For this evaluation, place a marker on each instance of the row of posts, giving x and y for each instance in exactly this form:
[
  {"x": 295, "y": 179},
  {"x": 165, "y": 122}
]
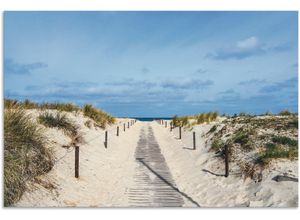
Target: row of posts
[
  {"x": 130, "y": 123},
  {"x": 226, "y": 154}
]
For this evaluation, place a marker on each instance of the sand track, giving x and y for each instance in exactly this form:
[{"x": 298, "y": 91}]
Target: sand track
[
  {"x": 147, "y": 166},
  {"x": 154, "y": 185}
]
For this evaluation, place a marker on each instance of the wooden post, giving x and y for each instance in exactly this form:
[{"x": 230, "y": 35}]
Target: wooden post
[
  {"x": 226, "y": 161},
  {"x": 76, "y": 161},
  {"x": 179, "y": 132},
  {"x": 105, "y": 142},
  {"x": 128, "y": 125},
  {"x": 194, "y": 140},
  {"x": 117, "y": 130},
  {"x": 124, "y": 127},
  {"x": 166, "y": 124},
  {"x": 171, "y": 126}
]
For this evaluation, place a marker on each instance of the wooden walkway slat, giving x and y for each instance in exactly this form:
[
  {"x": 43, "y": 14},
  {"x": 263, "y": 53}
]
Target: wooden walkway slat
[{"x": 154, "y": 185}]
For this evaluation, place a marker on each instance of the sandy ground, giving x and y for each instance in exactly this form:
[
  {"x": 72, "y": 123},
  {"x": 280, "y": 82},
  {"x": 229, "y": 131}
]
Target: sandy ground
[
  {"x": 196, "y": 173},
  {"x": 107, "y": 174},
  {"x": 104, "y": 174}
]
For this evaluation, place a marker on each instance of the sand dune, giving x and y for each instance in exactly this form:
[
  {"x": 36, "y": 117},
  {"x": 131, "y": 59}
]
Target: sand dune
[{"x": 108, "y": 175}]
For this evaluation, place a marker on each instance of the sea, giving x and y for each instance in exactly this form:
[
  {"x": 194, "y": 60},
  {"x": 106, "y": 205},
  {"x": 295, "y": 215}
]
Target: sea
[{"x": 151, "y": 118}]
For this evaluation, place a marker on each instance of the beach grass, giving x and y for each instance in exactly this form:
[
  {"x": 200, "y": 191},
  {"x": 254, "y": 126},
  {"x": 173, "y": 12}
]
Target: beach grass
[
  {"x": 28, "y": 104},
  {"x": 100, "y": 117},
  {"x": 25, "y": 153},
  {"x": 188, "y": 121},
  {"x": 58, "y": 120}
]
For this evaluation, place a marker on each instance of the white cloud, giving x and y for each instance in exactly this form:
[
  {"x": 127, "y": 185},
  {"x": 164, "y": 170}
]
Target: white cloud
[{"x": 248, "y": 44}]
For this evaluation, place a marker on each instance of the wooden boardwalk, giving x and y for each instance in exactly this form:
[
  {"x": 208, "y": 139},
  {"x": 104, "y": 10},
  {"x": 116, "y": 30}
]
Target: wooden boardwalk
[{"x": 154, "y": 185}]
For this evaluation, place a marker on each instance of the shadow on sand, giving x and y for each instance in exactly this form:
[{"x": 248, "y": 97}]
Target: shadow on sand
[
  {"x": 186, "y": 148},
  {"x": 216, "y": 174},
  {"x": 168, "y": 183}
]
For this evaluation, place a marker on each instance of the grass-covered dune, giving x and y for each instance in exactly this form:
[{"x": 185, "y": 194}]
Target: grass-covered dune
[
  {"x": 256, "y": 141},
  {"x": 188, "y": 121},
  {"x": 26, "y": 150},
  {"x": 25, "y": 153}
]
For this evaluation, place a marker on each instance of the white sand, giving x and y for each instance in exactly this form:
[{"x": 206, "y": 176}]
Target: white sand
[
  {"x": 107, "y": 174},
  {"x": 104, "y": 173},
  {"x": 217, "y": 191}
]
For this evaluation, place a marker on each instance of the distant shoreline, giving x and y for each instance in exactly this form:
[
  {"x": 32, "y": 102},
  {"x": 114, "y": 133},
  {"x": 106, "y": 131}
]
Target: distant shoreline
[{"x": 152, "y": 118}]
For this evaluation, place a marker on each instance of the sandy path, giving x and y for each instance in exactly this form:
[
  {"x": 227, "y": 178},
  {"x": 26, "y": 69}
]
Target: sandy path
[
  {"x": 153, "y": 182},
  {"x": 130, "y": 172}
]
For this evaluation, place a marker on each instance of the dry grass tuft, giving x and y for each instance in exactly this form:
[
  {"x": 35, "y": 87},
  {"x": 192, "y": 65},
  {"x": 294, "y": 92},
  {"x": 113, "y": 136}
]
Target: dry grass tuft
[
  {"x": 100, "y": 117},
  {"x": 58, "y": 120},
  {"x": 184, "y": 121},
  {"x": 25, "y": 153}
]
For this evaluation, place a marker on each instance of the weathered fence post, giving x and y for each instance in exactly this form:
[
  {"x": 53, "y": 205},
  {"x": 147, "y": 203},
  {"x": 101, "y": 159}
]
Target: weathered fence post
[
  {"x": 105, "y": 142},
  {"x": 124, "y": 127},
  {"x": 166, "y": 124},
  {"x": 179, "y": 132},
  {"x": 194, "y": 140},
  {"x": 117, "y": 130},
  {"x": 76, "y": 161},
  {"x": 128, "y": 125},
  {"x": 226, "y": 161},
  {"x": 171, "y": 126}
]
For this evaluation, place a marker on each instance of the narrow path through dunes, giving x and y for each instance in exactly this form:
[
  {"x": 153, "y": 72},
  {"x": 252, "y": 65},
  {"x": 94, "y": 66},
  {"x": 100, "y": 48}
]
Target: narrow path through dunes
[{"x": 153, "y": 182}]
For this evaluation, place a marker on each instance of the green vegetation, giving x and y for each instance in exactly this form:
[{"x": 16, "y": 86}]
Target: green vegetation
[
  {"x": 217, "y": 144},
  {"x": 285, "y": 140},
  {"x": 268, "y": 113},
  {"x": 100, "y": 117},
  {"x": 10, "y": 103},
  {"x": 253, "y": 143},
  {"x": 206, "y": 117},
  {"x": 180, "y": 121},
  {"x": 273, "y": 151},
  {"x": 58, "y": 120},
  {"x": 67, "y": 107},
  {"x": 213, "y": 129},
  {"x": 243, "y": 137},
  {"x": 27, "y": 104},
  {"x": 25, "y": 154},
  {"x": 280, "y": 147},
  {"x": 285, "y": 113},
  {"x": 184, "y": 121}
]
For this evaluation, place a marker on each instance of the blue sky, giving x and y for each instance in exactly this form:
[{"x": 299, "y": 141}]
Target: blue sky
[{"x": 154, "y": 63}]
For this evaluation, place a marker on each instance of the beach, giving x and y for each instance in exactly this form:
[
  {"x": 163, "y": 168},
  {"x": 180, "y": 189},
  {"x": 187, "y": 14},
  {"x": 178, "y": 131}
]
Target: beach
[{"x": 147, "y": 165}]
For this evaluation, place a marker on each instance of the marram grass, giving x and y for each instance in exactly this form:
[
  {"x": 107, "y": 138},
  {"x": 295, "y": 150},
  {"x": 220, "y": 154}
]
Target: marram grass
[{"x": 25, "y": 153}]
